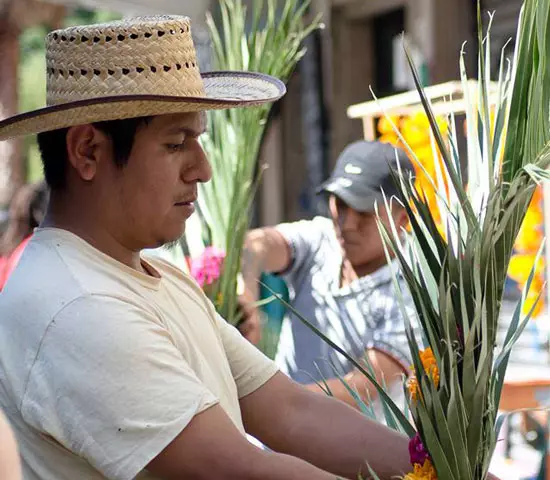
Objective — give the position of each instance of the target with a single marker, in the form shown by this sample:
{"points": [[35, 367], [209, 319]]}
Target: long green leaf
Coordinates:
{"points": [[403, 421]]}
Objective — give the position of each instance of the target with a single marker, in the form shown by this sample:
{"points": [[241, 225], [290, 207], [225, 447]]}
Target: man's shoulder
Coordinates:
{"points": [[54, 272], [41, 280], [318, 232], [319, 224]]}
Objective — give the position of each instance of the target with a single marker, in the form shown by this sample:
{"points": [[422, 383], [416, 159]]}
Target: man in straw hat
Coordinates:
{"points": [[114, 365]]}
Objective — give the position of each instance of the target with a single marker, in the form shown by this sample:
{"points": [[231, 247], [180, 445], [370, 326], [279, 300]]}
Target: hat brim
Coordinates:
{"points": [[223, 90], [360, 203]]}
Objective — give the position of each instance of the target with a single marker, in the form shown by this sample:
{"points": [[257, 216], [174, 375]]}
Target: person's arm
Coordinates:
{"points": [[323, 431], [387, 369], [265, 250], [386, 346], [10, 466], [212, 447]]}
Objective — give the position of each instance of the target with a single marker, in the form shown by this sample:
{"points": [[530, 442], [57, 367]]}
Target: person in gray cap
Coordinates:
{"points": [[338, 277]]}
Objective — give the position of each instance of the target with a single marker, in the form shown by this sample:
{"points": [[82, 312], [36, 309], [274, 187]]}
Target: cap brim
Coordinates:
{"points": [[360, 203], [223, 90]]}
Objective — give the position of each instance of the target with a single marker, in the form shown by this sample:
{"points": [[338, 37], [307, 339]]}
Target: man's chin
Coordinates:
{"points": [[170, 241], [171, 245]]}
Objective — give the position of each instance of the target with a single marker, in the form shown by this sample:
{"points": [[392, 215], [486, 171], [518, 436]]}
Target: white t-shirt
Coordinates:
{"points": [[102, 366]]}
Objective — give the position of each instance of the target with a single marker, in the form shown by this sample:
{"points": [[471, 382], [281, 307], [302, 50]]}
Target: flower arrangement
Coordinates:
{"points": [[416, 132], [457, 278]]}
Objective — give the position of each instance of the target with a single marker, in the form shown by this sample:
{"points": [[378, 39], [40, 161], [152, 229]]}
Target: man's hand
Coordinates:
{"points": [[387, 369], [265, 250], [250, 325]]}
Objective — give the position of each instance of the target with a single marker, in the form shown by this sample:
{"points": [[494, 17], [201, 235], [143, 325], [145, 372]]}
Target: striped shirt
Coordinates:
{"points": [[361, 315]]}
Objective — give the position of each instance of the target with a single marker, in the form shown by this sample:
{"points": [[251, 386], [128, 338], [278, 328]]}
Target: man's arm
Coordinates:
{"points": [[10, 466], [322, 431], [212, 447], [386, 368], [265, 250]]}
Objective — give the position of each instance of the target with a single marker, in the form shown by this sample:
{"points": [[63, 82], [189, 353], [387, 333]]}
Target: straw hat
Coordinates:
{"points": [[131, 68]]}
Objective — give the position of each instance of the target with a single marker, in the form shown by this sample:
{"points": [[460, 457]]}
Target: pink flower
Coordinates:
{"points": [[206, 268], [417, 451]]}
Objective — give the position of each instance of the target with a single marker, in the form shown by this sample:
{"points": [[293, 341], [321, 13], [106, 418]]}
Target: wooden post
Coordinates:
{"points": [[15, 15], [369, 130], [12, 169]]}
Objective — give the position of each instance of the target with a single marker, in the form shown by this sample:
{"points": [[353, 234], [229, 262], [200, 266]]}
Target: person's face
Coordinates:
{"points": [[152, 196], [358, 231]]}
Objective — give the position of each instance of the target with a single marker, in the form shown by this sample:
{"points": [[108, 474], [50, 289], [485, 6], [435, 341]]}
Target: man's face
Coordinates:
{"points": [[152, 196], [358, 232]]}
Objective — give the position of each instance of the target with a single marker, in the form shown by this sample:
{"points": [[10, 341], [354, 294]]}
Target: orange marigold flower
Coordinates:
{"points": [[430, 366], [422, 472], [391, 138], [384, 126], [412, 386]]}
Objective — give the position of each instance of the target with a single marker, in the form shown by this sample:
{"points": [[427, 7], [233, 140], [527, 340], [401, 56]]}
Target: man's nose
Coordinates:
{"points": [[205, 169], [201, 171]]}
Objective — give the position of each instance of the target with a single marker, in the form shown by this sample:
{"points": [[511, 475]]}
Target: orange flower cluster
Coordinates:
{"points": [[526, 247], [430, 366], [422, 472], [415, 129]]}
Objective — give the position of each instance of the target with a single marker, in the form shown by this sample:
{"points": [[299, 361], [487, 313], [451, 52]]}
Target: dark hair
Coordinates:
{"points": [[53, 147]]}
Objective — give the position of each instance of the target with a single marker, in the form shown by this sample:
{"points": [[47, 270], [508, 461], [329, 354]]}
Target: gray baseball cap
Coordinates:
{"points": [[363, 171]]}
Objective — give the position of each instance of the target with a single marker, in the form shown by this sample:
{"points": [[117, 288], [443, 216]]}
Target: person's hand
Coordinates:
{"points": [[250, 326]]}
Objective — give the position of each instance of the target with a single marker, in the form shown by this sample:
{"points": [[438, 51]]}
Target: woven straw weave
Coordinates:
{"points": [[139, 67], [154, 57]]}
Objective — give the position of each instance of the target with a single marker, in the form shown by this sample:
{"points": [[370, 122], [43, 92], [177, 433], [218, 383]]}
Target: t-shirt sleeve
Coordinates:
{"points": [[304, 239], [109, 384], [250, 368]]}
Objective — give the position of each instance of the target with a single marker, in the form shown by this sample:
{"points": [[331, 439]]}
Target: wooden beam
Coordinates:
{"points": [[445, 98]]}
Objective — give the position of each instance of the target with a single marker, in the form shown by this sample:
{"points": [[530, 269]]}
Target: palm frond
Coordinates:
{"points": [[233, 139]]}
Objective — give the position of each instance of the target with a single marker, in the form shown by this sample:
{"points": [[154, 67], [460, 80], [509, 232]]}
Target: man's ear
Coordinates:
{"points": [[332, 206], [333, 211], [86, 147], [400, 216]]}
